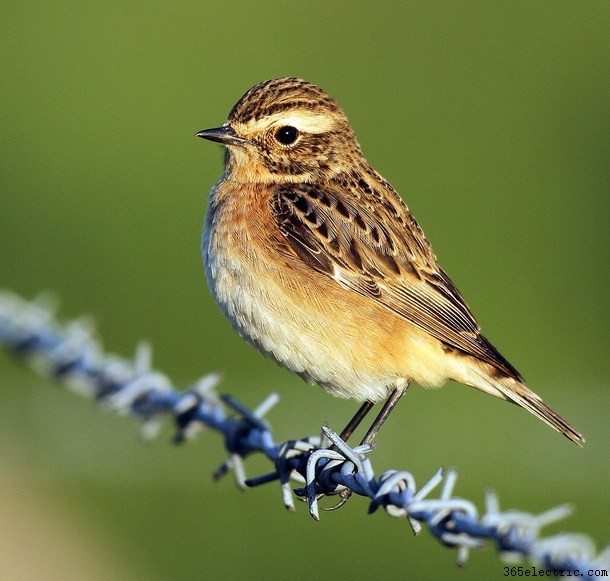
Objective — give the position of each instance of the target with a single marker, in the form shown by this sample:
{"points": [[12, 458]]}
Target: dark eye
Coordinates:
{"points": [[287, 135]]}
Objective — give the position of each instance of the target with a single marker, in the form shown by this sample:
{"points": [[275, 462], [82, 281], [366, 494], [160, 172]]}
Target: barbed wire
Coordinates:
{"points": [[323, 465]]}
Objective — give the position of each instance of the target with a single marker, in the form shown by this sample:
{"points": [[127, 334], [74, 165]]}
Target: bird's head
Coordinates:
{"points": [[287, 130]]}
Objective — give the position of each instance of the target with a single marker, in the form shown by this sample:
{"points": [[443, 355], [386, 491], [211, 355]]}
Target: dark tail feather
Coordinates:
{"points": [[516, 392]]}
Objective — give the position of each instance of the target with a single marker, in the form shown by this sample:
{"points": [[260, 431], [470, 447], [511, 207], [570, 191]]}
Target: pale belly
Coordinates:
{"points": [[360, 353]]}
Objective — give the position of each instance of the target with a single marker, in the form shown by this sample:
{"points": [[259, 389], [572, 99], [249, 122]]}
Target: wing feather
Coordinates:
{"points": [[366, 239]]}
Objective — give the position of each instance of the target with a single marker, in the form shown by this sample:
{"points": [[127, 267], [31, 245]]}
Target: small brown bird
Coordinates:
{"points": [[318, 263]]}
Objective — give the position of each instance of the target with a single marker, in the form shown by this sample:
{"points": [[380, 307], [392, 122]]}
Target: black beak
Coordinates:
{"points": [[225, 135]]}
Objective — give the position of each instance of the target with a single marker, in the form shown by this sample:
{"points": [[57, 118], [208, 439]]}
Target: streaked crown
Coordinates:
{"points": [[279, 95]]}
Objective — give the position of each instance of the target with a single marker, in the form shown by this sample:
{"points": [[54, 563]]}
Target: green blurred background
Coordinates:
{"points": [[491, 118]]}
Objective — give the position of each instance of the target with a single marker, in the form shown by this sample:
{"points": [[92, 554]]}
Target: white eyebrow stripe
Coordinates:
{"points": [[305, 121]]}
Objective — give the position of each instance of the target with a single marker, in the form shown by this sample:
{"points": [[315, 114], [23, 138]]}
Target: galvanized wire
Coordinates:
{"points": [[323, 465]]}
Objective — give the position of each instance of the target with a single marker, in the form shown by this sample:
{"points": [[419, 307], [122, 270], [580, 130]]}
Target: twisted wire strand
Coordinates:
{"points": [[71, 353]]}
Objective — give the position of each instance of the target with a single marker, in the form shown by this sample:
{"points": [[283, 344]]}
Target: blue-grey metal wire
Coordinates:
{"points": [[71, 353]]}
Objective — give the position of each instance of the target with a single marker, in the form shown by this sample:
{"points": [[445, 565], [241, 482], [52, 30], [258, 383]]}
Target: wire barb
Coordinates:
{"points": [[73, 355]]}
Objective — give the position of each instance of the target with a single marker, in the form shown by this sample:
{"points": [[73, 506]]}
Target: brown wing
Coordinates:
{"points": [[371, 244]]}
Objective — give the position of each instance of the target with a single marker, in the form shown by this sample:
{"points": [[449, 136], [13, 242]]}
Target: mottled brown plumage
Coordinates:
{"points": [[317, 261]]}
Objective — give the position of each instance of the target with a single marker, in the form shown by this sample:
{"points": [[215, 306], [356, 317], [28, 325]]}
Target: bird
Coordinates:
{"points": [[318, 263]]}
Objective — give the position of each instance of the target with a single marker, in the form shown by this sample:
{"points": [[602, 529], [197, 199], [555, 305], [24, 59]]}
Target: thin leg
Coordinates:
{"points": [[356, 420], [388, 406]]}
